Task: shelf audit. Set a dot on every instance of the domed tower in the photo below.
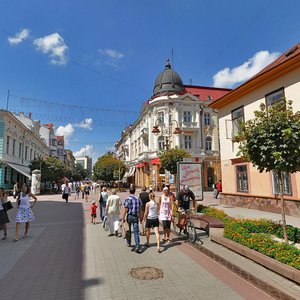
(168, 82)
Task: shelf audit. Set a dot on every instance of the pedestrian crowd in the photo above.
(137, 214)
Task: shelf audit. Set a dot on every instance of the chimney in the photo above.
(30, 115)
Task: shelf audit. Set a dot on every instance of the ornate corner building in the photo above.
(176, 115)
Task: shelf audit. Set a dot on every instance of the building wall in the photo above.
(260, 184)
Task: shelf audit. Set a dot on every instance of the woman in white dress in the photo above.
(24, 214)
(113, 205)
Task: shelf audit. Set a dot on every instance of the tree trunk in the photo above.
(279, 174)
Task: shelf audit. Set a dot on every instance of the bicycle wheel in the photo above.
(191, 232)
(175, 228)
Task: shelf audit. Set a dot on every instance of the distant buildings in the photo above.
(176, 115)
(243, 185)
(86, 162)
(22, 140)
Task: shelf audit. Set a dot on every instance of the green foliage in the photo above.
(108, 168)
(170, 158)
(213, 212)
(271, 141)
(52, 168)
(255, 235)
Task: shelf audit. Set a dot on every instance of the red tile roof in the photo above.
(206, 93)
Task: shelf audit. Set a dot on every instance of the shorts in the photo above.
(151, 223)
(87, 193)
(166, 224)
(94, 215)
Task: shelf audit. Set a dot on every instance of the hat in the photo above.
(93, 202)
(165, 189)
(186, 187)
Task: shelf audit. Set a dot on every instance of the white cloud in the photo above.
(19, 37)
(87, 150)
(85, 124)
(230, 77)
(111, 53)
(67, 131)
(53, 45)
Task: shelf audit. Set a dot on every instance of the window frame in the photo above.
(287, 183)
(187, 116)
(160, 118)
(233, 119)
(207, 119)
(7, 144)
(161, 143)
(240, 185)
(187, 140)
(270, 104)
(208, 143)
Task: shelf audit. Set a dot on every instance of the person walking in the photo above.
(66, 192)
(219, 188)
(102, 203)
(3, 214)
(144, 196)
(77, 191)
(132, 209)
(82, 189)
(16, 190)
(113, 205)
(24, 214)
(165, 213)
(87, 189)
(94, 212)
(151, 219)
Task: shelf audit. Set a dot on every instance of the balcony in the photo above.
(189, 125)
(196, 152)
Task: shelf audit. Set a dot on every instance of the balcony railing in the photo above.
(189, 125)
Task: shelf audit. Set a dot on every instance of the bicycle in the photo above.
(182, 221)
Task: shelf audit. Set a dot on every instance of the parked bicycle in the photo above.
(181, 222)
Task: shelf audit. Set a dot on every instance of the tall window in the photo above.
(187, 116)
(207, 119)
(26, 152)
(274, 97)
(14, 147)
(31, 154)
(242, 179)
(287, 185)
(161, 143)
(187, 142)
(237, 117)
(160, 118)
(7, 144)
(208, 143)
(20, 150)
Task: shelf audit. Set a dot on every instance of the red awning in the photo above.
(155, 161)
(139, 165)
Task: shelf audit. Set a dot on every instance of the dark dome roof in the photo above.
(168, 81)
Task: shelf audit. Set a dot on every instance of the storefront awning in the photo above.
(21, 169)
(155, 161)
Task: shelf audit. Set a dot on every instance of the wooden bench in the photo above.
(206, 222)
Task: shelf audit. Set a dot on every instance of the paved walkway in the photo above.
(66, 257)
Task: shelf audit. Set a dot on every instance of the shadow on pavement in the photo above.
(51, 266)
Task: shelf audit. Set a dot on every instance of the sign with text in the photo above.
(190, 173)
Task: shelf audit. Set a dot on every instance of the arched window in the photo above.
(208, 142)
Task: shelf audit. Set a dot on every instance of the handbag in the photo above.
(7, 205)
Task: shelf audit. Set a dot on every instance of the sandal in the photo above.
(4, 237)
(15, 239)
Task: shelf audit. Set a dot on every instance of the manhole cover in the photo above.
(146, 273)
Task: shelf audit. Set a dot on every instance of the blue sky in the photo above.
(87, 66)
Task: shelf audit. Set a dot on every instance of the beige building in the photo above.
(86, 162)
(243, 185)
(176, 115)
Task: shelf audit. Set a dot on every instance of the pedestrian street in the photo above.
(67, 257)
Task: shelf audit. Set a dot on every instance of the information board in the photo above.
(190, 173)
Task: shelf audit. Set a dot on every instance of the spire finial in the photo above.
(168, 65)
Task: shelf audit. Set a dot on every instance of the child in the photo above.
(94, 212)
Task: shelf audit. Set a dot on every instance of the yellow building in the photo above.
(243, 185)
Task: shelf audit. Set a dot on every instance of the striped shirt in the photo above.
(133, 204)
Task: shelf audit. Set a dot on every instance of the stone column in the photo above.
(36, 182)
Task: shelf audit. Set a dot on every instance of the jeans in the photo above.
(132, 219)
(102, 210)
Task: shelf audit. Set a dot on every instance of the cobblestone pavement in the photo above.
(66, 257)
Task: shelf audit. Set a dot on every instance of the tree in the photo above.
(271, 141)
(52, 168)
(170, 158)
(108, 168)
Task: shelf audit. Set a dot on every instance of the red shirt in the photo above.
(93, 209)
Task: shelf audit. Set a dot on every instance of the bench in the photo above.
(206, 222)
